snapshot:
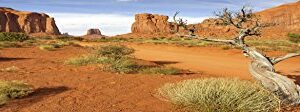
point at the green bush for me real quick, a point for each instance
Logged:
(294, 37)
(113, 51)
(220, 95)
(11, 36)
(12, 90)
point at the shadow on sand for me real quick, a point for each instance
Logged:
(164, 62)
(11, 59)
(38, 95)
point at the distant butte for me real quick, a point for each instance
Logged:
(26, 22)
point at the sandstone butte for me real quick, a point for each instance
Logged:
(284, 19)
(27, 22)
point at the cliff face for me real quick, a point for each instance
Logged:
(286, 16)
(27, 22)
(151, 23)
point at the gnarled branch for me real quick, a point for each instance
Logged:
(282, 58)
(261, 66)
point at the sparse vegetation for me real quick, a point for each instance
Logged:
(7, 44)
(119, 59)
(69, 38)
(263, 45)
(294, 37)
(84, 60)
(115, 52)
(48, 47)
(13, 90)
(121, 65)
(220, 95)
(11, 36)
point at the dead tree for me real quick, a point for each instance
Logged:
(261, 66)
(179, 23)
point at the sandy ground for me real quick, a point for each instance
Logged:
(63, 88)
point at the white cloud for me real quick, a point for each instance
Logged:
(79, 23)
(109, 24)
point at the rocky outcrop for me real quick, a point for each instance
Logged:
(27, 22)
(151, 23)
(93, 32)
(283, 19)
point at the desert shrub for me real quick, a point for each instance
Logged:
(220, 95)
(294, 37)
(118, 59)
(121, 65)
(85, 60)
(161, 70)
(49, 47)
(113, 51)
(11, 36)
(12, 90)
(69, 38)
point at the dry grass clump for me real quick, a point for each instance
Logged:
(84, 60)
(13, 90)
(220, 95)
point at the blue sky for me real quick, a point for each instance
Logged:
(116, 16)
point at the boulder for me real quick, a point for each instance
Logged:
(26, 22)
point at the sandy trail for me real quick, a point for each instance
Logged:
(62, 88)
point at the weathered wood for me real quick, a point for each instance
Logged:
(261, 66)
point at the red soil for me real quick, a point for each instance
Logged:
(62, 88)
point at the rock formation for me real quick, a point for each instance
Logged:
(27, 22)
(283, 19)
(151, 23)
(93, 32)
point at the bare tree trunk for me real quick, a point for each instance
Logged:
(263, 71)
(261, 66)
